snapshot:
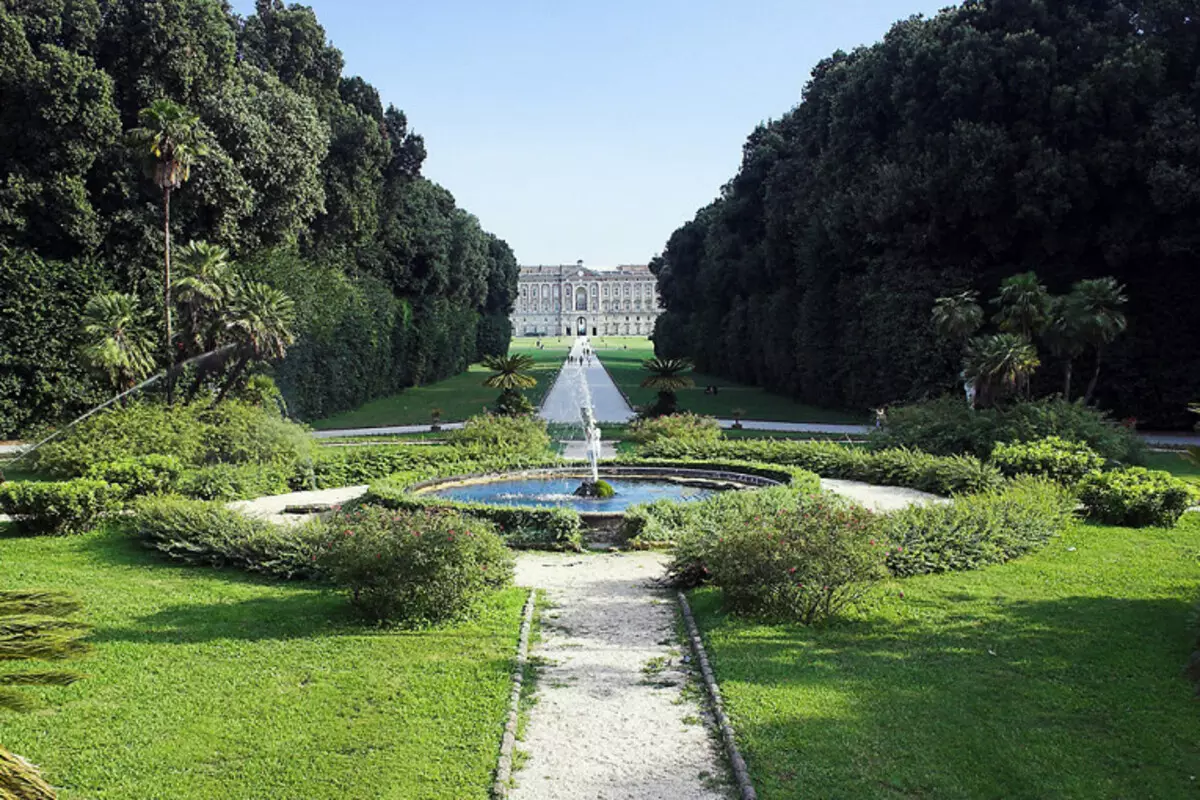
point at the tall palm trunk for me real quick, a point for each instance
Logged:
(167, 290)
(1091, 387)
(1068, 370)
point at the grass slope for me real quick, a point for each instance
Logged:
(1055, 676)
(458, 397)
(623, 358)
(206, 683)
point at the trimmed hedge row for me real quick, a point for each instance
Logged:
(944, 475)
(62, 507)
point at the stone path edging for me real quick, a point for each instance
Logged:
(740, 774)
(508, 741)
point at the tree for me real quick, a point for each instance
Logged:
(999, 364)
(1024, 305)
(260, 324)
(1064, 337)
(958, 317)
(171, 142)
(510, 374)
(203, 286)
(33, 626)
(118, 338)
(1097, 305)
(666, 377)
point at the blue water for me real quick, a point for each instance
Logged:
(551, 491)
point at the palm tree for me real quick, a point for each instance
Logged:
(1024, 305)
(172, 143)
(118, 338)
(33, 625)
(957, 317)
(1063, 336)
(666, 377)
(259, 321)
(203, 284)
(998, 364)
(510, 374)
(1097, 305)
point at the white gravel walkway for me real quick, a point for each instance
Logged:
(880, 498)
(611, 722)
(271, 507)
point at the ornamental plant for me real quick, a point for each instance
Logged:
(1136, 497)
(1052, 457)
(414, 567)
(809, 562)
(686, 428)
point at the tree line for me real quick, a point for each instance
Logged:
(998, 138)
(303, 179)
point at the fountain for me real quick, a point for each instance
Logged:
(594, 487)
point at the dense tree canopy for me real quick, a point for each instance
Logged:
(997, 138)
(308, 182)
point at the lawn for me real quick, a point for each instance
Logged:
(1176, 464)
(208, 683)
(458, 397)
(1055, 676)
(623, 357)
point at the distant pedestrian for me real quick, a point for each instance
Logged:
(880, 417)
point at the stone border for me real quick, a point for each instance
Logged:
(508, 741)
(740, 774)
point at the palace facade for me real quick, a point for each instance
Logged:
(574, 300)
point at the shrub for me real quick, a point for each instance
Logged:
(684, 428)
(976, 530)
(230, 432)
(349, 466)
(1136, 497)
(58, 507)
(947, 426)
(604, 489)
(490, 433)
(414, 567)
(199, 532)
(236, 481)
(140, 475)
(807, 563)
(1052, 457)
(894, 467)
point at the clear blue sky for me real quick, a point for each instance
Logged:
(592, 130)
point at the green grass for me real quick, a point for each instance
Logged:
(207, 683)
(1054, 676)
(1175, 464)
(623, 358)
(458, 397)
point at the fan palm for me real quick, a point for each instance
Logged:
(1097, 304)
(1024, 305)
(259, 321)
(957, 317)
(1064, 337)
(171, 143)
(510, 372)
(33, 626)
(666, 377)
(118, 340)
(999, 364)
(202, 287)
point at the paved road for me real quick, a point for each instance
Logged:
(568, 394)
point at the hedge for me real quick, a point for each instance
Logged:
(61, 507)
(1136, 497)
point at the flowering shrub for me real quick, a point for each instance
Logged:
(806, 562)
(414, 567)
(1052, 457)
(683, 428)
(1136, 497)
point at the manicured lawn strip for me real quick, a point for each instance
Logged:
(624, 362)
(458, 397)
(1057, 675)
(1175, 464)
(208, 683)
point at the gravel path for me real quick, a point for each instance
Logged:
(611, 721)
(880, 498)
(271, 507)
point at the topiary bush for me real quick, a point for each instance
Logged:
(807, 563)
(686, 428)
(62, 507)
(491, 433)
(414, 567)
(976, 530)
(1052, 457)
(140, 475)
(200, 532)
(946, 426)
(1135, 497)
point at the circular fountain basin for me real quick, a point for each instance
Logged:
(555, 488)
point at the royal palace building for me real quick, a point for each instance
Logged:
(575, 301)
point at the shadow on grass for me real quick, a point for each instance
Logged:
(1072, 697)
